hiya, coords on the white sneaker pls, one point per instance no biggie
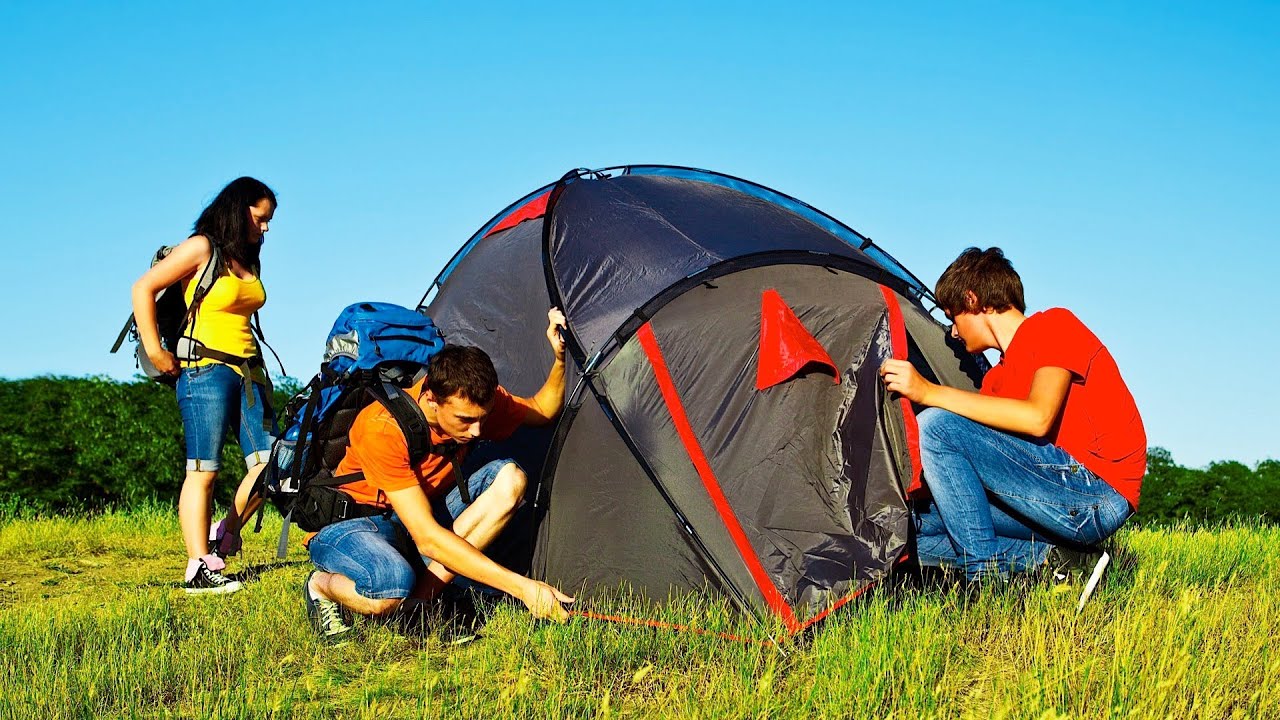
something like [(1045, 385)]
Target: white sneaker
[(1099, 569)]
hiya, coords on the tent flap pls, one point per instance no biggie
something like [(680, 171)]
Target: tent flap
[(786, 347)]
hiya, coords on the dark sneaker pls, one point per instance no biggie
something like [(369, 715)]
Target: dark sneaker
[(331, 621), (210, 582), (455, 633), (1072, 566), (460, 617)]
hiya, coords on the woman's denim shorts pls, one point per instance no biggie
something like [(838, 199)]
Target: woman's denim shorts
[(212, 400)]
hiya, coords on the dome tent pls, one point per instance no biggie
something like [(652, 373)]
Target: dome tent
[(725, 430)]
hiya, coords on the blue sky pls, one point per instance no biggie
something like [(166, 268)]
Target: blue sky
[(1124, 155)]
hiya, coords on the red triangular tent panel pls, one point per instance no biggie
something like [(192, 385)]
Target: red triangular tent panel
[(786, 345), (535, 208)]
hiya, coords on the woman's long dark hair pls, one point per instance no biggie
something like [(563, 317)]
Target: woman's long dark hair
[(226, 221)]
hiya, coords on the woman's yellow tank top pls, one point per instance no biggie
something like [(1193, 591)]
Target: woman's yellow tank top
[(222, 320)]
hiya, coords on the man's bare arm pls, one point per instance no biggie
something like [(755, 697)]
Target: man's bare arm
[(549, 399), (1034, 416)]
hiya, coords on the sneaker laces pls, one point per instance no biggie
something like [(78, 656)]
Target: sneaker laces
[(213, 577), (331, 616)]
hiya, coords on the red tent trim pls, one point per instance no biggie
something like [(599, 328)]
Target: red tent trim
[(535, 208), (773, 598), (837, 604), (851, 596), (898, 343)]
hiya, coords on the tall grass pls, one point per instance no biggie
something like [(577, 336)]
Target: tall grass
[(93, 624)]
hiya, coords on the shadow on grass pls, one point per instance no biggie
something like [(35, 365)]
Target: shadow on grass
[(247, 575), (1124, 564), (253, 572), (456, 617)]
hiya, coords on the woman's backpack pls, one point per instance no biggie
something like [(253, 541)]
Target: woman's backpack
[(172, 314), (373, 353)]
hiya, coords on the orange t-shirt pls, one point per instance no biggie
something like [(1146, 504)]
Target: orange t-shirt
[(379, 449), (1100, 425)]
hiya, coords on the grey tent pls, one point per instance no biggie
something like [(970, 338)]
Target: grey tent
[(725, 430)]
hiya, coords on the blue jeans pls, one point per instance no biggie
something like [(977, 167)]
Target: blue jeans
[(211, 400), (376, 552), (1000, 502)]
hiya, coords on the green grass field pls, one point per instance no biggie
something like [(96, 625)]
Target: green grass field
[(93, 624)]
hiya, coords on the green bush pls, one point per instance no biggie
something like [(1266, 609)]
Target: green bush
[(89, 443)]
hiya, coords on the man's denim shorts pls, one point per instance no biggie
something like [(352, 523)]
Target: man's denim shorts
[(376, 552), (212, 400)]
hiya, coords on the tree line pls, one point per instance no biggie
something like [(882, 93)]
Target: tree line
[(85, 444)]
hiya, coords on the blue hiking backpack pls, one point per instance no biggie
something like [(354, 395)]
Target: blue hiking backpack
[(373, 353)]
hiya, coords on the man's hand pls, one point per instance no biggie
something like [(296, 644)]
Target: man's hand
[(555, 323), (901, 377), (549, 400), (544, 602)]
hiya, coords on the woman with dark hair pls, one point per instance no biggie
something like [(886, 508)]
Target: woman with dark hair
[(215, 395)]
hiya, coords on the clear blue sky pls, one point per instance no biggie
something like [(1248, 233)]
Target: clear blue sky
[(1124, 155)]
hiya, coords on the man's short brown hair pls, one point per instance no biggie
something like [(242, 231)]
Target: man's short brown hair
[(464, 371), (988, 274)]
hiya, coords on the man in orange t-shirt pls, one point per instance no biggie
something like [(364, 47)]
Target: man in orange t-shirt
[(429, 536), (1042, 464)]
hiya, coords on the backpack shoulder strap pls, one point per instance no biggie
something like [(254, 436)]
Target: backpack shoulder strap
[(413, 423), (207, 278), (408, 415), (131, 323)]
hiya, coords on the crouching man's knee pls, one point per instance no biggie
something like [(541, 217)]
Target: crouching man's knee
[(510, 484)]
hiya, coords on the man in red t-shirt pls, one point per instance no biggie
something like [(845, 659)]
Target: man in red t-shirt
[(1043, 463), (371, 565)]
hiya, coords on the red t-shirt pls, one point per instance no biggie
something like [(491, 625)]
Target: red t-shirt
[(1099, 426), (379, 450)]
